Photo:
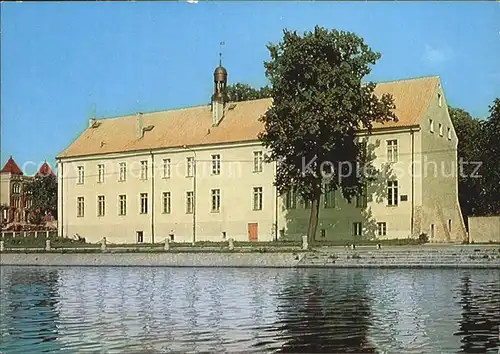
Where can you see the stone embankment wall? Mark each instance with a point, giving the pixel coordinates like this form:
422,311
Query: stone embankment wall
405,257
335,257
484,229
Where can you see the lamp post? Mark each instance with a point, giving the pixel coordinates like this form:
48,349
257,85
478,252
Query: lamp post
194,193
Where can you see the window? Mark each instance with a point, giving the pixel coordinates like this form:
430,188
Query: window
100,173
362,199
81,175
257,198
144,170
392,193
431,125
215,200
16,188
144,203
166,168
17,202
123,171
329,197
257,161
189,167
140,237
392,151
381,228
216,164
101,206
449,225
189,202
449,133
357,229
166,203
80,207
291,199
123,205
440,100
440,129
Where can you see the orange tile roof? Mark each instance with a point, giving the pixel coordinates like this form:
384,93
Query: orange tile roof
193,126
11,167
44,170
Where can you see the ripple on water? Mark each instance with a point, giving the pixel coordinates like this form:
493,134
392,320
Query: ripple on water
76,309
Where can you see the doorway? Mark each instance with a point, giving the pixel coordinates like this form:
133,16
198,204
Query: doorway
253,231
140,237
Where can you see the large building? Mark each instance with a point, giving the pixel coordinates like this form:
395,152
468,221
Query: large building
14,202
198,174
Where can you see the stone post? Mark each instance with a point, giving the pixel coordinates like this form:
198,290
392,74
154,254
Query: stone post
230,242
24,234
103,244
47,234
2,247
305,243
36,234
166,246
47,245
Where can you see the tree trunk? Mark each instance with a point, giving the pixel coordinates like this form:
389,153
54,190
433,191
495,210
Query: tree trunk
314,217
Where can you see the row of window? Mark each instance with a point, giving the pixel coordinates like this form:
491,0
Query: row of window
357,229
440,128
257,202
329,200
258,160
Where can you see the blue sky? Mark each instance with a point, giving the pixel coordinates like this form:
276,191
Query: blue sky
58,60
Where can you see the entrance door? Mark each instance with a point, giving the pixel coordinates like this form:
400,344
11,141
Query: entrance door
253,231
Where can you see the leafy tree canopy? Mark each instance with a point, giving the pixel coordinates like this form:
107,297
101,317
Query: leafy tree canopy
42,192
478,142
244,92
319,102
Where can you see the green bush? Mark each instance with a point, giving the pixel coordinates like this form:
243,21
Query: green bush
423,238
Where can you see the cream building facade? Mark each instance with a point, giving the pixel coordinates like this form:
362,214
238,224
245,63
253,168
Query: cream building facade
198,174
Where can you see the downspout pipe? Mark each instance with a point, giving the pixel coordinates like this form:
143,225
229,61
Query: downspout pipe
275,205
412,135
152,196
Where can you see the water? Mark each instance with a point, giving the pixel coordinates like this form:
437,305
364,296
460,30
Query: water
86,309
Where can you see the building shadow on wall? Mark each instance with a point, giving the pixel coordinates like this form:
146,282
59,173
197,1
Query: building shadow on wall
337,219
321,313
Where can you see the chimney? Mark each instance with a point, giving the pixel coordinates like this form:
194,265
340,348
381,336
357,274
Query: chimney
217,112
91,122
139,123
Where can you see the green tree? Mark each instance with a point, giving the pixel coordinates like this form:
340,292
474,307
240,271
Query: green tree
470,149
42,193
244,92
490,183
319,102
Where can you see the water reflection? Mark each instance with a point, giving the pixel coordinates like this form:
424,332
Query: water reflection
244,310
28,311
479,326
325,312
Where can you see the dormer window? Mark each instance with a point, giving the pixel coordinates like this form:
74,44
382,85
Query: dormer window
431,125
440,129
440,100
449,133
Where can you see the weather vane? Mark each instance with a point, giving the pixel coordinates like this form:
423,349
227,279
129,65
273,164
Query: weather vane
220,53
